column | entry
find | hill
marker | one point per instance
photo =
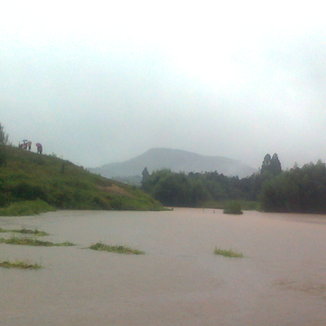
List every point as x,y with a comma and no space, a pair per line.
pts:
27,176
176,160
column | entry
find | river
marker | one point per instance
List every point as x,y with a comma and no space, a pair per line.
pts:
281,281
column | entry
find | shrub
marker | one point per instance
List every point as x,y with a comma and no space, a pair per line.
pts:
233,207
22,208
228,253
117,249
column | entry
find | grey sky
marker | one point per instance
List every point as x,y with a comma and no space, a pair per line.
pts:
97,82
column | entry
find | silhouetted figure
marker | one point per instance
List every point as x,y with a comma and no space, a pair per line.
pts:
24,145
29,145
39,148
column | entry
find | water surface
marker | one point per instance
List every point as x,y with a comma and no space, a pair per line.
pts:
179,281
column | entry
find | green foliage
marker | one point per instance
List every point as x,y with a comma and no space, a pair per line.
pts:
233,207
193,189
3,136
34,242
21,208
271,165
117,249
3,155
145,176
24,208
211,189
228,253
61,184
34,232
19,264
297,190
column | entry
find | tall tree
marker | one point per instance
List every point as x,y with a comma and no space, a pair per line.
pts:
265,167
271,165
3,136
146,176
275,167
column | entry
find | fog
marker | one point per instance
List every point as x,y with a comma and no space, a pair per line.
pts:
97,82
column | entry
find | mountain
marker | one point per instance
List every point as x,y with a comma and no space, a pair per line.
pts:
175,160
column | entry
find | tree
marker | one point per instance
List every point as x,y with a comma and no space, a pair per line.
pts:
271,165
3,136
265,167
145,178
297,190
275,166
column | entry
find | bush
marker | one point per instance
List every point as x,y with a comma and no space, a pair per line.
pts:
24,208
28,191
233,207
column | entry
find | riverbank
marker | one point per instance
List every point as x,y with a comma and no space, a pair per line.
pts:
31,183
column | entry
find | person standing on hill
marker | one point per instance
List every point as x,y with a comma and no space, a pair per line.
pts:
39,148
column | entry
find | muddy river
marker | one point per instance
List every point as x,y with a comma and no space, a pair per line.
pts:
281,281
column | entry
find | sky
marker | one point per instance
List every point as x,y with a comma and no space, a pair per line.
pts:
103,81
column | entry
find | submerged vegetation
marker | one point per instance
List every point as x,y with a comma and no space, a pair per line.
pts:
19,264
34,232
228,253
117,249
233,207
34,242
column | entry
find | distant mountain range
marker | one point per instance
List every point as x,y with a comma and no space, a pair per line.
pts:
174,159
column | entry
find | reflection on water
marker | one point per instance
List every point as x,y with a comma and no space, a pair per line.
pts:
179,281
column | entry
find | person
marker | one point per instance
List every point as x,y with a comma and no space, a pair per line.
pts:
39,148
29,144
24,144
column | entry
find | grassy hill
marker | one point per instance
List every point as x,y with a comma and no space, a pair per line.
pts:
28,178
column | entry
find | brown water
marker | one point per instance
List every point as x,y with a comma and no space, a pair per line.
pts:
281,280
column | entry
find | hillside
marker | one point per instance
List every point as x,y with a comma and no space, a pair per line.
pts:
175,160
27,176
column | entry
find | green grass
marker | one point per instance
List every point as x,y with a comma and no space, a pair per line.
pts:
19,264
228,253
28,179
33,242
34,232
117,249
26,208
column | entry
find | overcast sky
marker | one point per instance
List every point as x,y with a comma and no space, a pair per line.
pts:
103,81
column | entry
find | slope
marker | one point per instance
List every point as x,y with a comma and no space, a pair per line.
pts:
28,176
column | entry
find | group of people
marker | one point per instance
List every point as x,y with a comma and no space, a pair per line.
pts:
27,144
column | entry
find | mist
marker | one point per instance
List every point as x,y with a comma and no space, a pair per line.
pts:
97,82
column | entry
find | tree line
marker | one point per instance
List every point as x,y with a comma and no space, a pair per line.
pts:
295,190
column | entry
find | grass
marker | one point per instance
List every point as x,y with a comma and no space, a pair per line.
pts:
26,208
233,207
31,184
34,242
117,249
35,232
19,264
228,253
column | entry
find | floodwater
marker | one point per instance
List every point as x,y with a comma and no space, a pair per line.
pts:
281,281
